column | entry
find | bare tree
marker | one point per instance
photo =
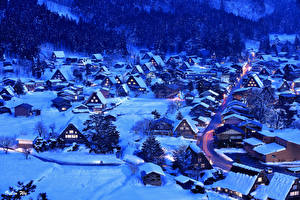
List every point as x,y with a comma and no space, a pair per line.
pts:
142,126
52,128
41,129
172,107
6,142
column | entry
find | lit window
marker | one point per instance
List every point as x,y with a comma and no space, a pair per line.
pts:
63,108
259,179
71,131
294,193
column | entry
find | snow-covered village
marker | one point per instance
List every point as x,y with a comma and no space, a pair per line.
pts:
124,104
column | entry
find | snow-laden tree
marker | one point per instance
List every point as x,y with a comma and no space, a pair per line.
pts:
262,106
179,116
18,192
142,126
103,134
276,118
182,159
41,129
6,142
152,151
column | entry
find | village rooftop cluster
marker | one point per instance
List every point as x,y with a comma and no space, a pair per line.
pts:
219,128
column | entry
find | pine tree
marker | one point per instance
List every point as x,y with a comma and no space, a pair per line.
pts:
182,159
103,134
155,114
190,86
20,191
152,151
179,116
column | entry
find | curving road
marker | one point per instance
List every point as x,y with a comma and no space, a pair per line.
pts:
206,141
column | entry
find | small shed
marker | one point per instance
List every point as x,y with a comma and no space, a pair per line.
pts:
185,182
58,55
151,174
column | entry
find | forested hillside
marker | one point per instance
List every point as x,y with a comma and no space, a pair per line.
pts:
162,25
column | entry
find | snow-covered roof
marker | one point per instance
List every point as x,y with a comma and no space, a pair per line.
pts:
204,119
266,149
253,141
150,66
150,54
195,147
258,81
210,98
183,179
190,122
278,188
98,56
59,54
81,109
238,182
132,159
141,82
294,169
158,60
151,167
248,122
101,97
246,167
237,116
125,87
241,90
8,67
213,93
139,69
291,135
10,90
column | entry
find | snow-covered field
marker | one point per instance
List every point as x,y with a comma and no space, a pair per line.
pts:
79,157
87,182
25,126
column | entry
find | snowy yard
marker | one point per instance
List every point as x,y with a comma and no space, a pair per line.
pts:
85,182
80,157
24,126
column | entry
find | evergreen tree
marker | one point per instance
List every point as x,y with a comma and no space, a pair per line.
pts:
103,134
182,159
42,196
190,86
152,151
179,116
265,45
20,191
